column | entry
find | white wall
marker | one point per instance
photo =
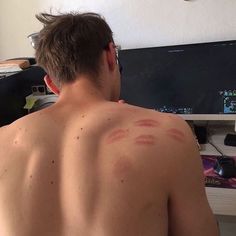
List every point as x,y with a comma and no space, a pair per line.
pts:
136,23
16,22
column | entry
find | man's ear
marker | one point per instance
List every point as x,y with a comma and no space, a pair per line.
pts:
50,84
111,56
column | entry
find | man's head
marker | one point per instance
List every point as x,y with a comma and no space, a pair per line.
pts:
72,44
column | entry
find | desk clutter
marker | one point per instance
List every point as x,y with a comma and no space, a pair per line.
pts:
21,63
38,102
9,67
15,87
212,178
18,64
230,140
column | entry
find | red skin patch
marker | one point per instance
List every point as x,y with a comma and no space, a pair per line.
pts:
145,139
146,123
117,135
122,168
176,134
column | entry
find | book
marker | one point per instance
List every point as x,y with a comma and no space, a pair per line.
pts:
212,179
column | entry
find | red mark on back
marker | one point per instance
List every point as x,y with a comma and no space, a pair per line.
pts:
176,134
117,135
145,139
122,167
147,123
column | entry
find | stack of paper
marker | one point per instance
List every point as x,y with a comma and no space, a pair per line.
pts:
10,66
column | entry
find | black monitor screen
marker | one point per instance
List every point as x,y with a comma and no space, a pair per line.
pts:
184,79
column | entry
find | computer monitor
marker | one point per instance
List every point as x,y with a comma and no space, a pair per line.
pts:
196,81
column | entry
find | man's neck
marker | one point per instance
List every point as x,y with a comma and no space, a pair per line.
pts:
82,93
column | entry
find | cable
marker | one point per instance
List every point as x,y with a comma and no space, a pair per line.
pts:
217,149
209,134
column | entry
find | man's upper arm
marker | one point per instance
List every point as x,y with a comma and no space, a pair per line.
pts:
189,211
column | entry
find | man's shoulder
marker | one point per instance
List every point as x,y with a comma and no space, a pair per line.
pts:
172,130
10,131
166,119
172,120
168,128
6,137
3,130
14,125
127,109
7,133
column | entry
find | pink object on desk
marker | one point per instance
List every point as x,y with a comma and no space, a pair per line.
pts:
211,178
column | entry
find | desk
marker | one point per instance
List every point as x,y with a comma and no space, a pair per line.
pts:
221,200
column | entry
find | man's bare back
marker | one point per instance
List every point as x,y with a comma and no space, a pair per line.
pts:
109,169
88,166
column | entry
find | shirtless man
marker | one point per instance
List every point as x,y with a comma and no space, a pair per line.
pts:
89,166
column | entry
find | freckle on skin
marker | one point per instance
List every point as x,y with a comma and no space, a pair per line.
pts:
51,182
81,128
77,137
53,161
122,181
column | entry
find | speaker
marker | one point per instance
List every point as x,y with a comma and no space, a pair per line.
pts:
201,134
